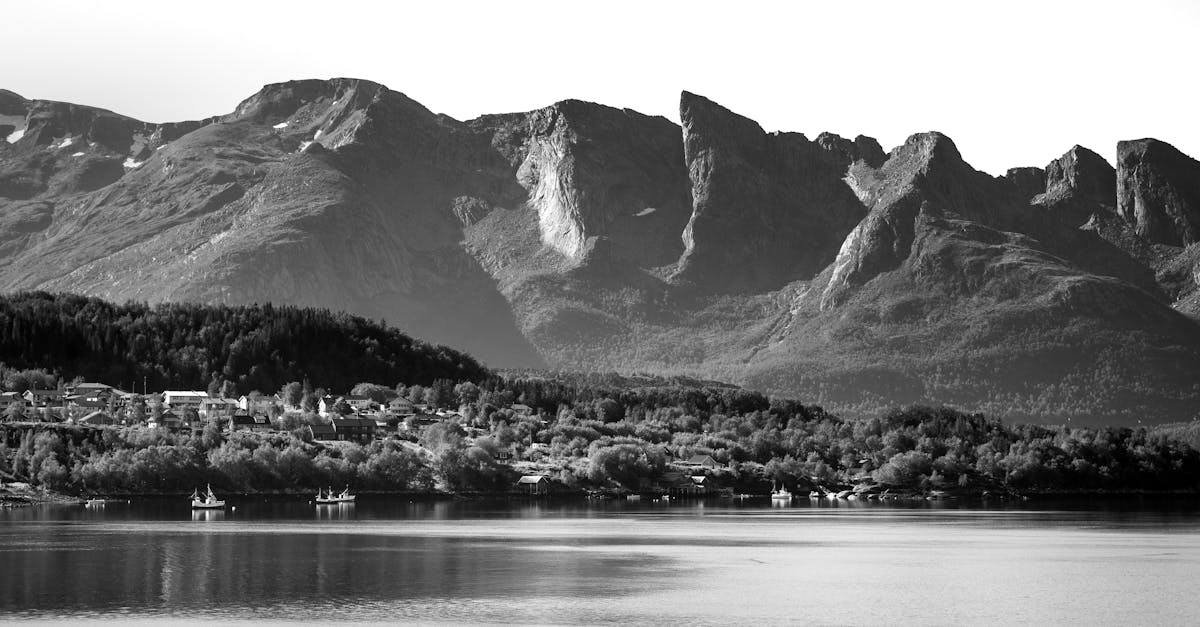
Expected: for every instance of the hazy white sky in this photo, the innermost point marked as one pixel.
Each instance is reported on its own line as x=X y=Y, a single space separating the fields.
x=1013 y=83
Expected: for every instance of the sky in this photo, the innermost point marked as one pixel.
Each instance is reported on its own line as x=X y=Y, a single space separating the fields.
x=1012 y=83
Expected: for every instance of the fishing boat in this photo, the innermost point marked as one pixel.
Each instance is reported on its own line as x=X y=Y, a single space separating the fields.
x=206 y=501
x=327 y=497
x=780 y=494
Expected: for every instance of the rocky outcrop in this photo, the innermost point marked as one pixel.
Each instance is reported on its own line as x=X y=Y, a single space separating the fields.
x=1079 y=184
x=766 y=209
x=594 y=171
x=1028 y=181
x=1158 y=191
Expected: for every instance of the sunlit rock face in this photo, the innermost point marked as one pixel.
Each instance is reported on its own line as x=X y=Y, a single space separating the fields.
x=594 y=171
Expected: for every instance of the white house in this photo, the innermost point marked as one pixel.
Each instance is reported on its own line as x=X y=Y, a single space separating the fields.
x=184 y=399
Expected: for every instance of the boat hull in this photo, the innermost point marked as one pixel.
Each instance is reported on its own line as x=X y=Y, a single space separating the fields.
x=208 y=505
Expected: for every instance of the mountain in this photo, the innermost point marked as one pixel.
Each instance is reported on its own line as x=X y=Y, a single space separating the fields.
x=587 y=237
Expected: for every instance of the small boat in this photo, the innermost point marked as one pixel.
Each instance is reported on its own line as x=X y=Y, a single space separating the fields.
x=780 y=494
x=813 y=494
x=327 y=497
x=207 y=501
x=95 y=502
x=844 y=493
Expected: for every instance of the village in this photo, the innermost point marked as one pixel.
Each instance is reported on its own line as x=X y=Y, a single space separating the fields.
x=91 y=408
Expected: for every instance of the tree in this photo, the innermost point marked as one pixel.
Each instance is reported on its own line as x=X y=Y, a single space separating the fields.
x=292 y=394
x=15 y=412
x=433 y=396
x=229 y=389
x=342 y=408
x=466 y=393
x=377 y=393
x=416 y=394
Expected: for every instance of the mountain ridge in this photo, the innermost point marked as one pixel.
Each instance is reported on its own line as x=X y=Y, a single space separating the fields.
x=585 y=236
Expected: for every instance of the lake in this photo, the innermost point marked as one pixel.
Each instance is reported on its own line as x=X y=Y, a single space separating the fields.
x=713 y=562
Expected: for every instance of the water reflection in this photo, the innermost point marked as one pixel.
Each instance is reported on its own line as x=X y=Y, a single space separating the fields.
x=745 y=560
x=334 y=511
x=208 y=515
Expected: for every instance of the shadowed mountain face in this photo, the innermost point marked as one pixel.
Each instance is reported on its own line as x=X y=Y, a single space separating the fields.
x=583 y=236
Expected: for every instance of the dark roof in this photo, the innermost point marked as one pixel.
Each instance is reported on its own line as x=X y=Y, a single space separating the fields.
x=242 y=419
x=49 y=393
x=320 y=430
x=346 y=423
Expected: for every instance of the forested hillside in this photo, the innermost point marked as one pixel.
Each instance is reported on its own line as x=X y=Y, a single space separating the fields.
x=186 y=345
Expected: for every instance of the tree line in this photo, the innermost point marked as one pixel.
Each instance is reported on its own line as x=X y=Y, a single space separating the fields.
x=45 y=336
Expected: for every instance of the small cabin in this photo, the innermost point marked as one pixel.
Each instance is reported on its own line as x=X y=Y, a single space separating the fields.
x=533 y=484
x=701 y=461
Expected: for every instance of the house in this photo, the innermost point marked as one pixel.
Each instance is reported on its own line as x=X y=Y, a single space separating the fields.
x=89 y=403
x=533 y=484
x=322 y=432
x=522 y=409
x=502 y=457
x=358 y=403
x=170 y=420
x=325 y=406
x=700 y=461
x=184 y=399
x=401 y=407
x=9 y=399
x=259 y=404
x=45 y=398
x=680 y=484
x=217 y=408
x=92 y=390
x=354 y=429
x=245 y=421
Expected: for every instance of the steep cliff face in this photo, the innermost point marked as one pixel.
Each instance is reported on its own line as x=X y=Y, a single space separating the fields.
x=767 y=209
x=585 y=236
x=1158 y=191
x=594 y=171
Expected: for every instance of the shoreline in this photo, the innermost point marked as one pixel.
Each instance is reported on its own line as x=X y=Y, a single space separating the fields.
x=19 y=494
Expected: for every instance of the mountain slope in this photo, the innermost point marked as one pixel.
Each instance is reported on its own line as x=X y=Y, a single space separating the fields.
x=588 y=237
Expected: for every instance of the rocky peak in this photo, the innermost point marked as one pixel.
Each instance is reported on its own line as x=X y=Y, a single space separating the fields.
x=766 y=209
x=862 y=148
x=1029 y=181
x=280 y=101
x=1078 y=184
x=1158 y=191
x=11 y=103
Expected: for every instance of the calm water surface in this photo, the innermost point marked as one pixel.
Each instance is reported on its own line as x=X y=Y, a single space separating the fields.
x=719 y=562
